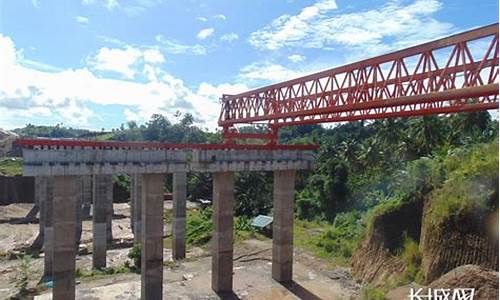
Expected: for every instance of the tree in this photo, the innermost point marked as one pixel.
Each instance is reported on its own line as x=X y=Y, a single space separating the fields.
x=187 y=120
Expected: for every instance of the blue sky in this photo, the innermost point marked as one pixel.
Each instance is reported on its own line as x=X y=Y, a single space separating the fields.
x=99 y=63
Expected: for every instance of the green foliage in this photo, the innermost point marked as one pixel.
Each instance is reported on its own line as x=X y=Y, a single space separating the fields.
x=243 y=229
x=361 y=165
x=23 y=275
x=385 y=207
x=135 y=255
x=243 y=223
x=307 y=204
x=121 y=188
x=253 y=193
x=471 y=187
x=412 y=257
x=58 y=131
x=372 y=293
x=11 y=167
x=160 y=129
x=337 y=241
x=104 y=271
x=199 y=186
x=199 y=226
x=341 y=240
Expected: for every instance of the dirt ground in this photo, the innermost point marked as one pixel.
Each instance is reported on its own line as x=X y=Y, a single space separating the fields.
x=187 y=279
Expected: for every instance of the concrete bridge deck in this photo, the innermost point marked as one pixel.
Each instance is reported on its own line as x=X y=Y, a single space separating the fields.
x=69 y=175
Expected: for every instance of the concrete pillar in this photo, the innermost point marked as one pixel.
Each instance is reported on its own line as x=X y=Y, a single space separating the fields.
x=179 y=216
x=109 y=214
x=222 y=238
x=87 y=196
x=284 y=190
x=136 y=189
x=64 y=217
x=48 y=229
x=102 y=195
x=79 y=212
x=131 y=203
x=40 y=194
x=152 y=237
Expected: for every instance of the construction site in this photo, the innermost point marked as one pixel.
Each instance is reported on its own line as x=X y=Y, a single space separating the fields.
x=120 y=219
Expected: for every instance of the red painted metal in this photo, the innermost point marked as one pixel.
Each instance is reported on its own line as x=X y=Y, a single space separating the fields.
x=73 y=144
x=438 y=77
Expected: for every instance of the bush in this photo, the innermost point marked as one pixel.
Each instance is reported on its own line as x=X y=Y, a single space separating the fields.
x=135 y=254
x=121 y=188
x=472 y=186
x=411 y=256
x=343 y=238
x=199 y=227
x=243 y=223
x=371 y=293
x=22 y=277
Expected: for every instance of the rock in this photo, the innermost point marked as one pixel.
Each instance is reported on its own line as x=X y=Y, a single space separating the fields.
x=484 y=281
x=187 y=276
x=340 y=274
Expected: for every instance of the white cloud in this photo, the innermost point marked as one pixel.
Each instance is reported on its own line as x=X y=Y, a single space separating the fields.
x=296 y=58
x=288 y=29
x=117 y=60
x=220 y=17
x=267 y=71
x=173 y=47
x=130 y=7
x=127 y=61
x=394 y=25
x=205 y=33
x=69 y=95
x=109 y=4
x=153 y=56
x=82 y=20
x=202 y=19
x=229 y=37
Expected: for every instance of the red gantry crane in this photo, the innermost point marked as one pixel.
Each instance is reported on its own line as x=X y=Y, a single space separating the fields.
x=454 y=74
x=438 y=77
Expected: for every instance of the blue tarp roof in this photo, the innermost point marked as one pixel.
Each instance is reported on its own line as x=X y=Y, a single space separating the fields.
x=262 y=221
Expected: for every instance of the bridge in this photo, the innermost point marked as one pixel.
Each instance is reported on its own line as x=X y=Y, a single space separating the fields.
x=450 y=75
x=455 y=74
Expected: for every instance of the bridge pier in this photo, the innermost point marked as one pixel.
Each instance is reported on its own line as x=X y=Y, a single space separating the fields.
x=152 y=237
x=78 y=210
x=282 y=260
x=46 y=210
x=64 y=172
x=222 y=238
x=179 y=186
x=64 y=218
x=40 y=193
x=87 y=196
x=136 y=206
x=103 y=199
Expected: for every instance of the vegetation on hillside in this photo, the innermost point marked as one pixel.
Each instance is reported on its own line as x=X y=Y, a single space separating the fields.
x=11 y=166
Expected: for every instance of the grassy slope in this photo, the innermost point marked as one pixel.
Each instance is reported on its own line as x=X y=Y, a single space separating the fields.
x=11 y=166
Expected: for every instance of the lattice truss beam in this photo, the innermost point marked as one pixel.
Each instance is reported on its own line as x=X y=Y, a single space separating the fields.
x=454 y=74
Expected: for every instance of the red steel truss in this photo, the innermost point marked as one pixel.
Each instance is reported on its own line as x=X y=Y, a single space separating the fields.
x=454 y=74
